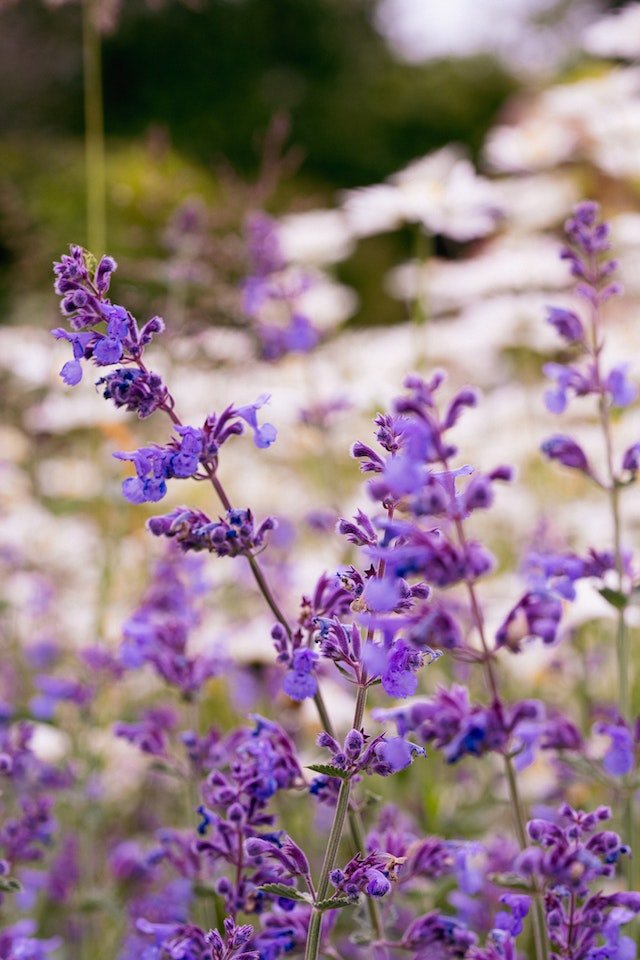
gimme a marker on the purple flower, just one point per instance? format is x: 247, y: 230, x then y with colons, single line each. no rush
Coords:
x: 265, y: 435
x: 567, y: 452
x: 537, y: 614
x: 300, y: 682
x: 370, y: 874
x: 620, y: 757
x: 567, y: 323
x: 622, y: 393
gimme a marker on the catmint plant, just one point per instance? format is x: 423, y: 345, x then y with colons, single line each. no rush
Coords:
x: 406, y: 608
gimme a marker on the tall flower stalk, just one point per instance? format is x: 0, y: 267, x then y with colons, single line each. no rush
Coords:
x: 588, y: 253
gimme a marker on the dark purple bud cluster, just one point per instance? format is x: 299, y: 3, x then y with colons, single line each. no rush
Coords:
x: 151, y: 733
x: 100, y: 331
x: 231, y: 536
x: 361, y: 754
x: 137, y: 390
x: 371, y: 874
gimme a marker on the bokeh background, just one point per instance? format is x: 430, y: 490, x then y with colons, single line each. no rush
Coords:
x: 418, y: 159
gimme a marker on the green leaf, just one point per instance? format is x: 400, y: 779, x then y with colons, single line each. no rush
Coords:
x: 10, y: 885
x: 616, y: 598
x: 282, y: 890
x: 361, y: 937
x: 334, y: 903
x: 511, y: 881
x: 327, y: 770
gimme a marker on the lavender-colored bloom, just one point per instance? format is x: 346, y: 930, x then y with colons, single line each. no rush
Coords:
x: 264, y: 245
x: 622, y: 393
x: 158, y: 632
x: 567, y: 452
x: 16, y: 941
x: 438, y: 935
x: 53, y: 690
x: 265, y: 435
x: 631, y: 459
x: 150, y: 734
x: 370, y: 874
x: 300, y: 682
x: 619, y: 759
x: 361, y: 754
x: 569, y: 381
x: 567, y: 323
x: 459, y: 728
x: 102, y: 332
x: 537, y: 614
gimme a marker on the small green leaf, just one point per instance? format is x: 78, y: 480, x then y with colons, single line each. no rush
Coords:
x: 10, y: 885
x: 361, y: 937
x: 616, y: 598
x: 334, y: 903
x: 282, y: 890
x: 93, y: 901
x: 327, y: 770
x: 510, y: 880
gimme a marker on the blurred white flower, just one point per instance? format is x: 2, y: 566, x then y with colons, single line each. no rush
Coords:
x: 371, y: 210
x: 49, y: 743
x: 615, y: 136
x: 441, y: 190
x: 317, y: 237
x: 616, y: 35
x: 536, y: 202
x: 328, y: 303
x: 597, y: 119
x: 528, y: 35
x: 508, y: 264
x: 535, y: 142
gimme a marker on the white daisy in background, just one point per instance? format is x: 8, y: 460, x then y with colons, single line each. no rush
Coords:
x: 616, y: 35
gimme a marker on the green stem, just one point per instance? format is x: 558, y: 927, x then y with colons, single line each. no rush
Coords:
x: 538, y: 922
x: 538, y: 919
x: 335, y: 835
x: 419, y: 307
x: 622, y: 646
x: 95, y: 154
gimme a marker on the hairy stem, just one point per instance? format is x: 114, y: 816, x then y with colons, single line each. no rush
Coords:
x: 538, y: 921
x: 335, y: 835
x: 622, y: 645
